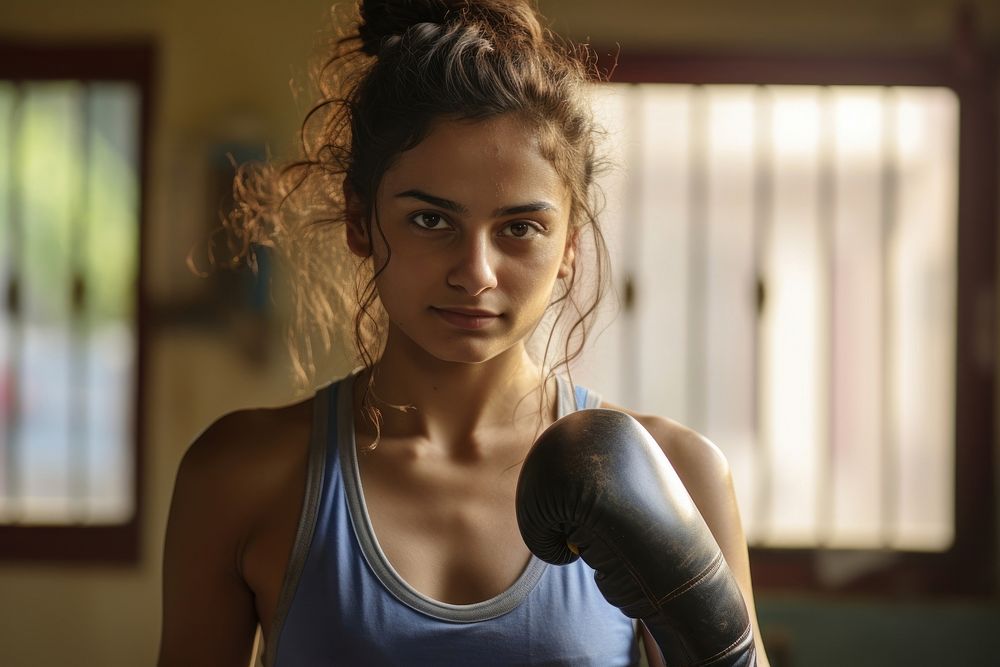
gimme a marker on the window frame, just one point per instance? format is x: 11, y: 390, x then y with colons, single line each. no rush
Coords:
x: 968, y: 567
x: 129, y: 62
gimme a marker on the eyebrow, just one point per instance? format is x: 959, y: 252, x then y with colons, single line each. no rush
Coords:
x: 530, y: 207
x: 440, y: 202
x: 455, y: 207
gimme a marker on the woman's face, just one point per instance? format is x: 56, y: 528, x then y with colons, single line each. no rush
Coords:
x: 477, y: 221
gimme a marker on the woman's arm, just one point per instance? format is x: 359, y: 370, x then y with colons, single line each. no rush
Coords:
x: 705, y: 472
x: 208, y: 610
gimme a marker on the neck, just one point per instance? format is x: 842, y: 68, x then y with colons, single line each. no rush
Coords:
x: 451, y: 404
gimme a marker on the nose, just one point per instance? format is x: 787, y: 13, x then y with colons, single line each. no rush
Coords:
x: 473, y: 270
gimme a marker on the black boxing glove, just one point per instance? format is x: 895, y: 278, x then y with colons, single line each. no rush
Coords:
x: 597, y: 484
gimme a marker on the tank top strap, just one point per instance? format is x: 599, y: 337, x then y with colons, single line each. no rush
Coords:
x: 572, y: 398
x: 324, y: 416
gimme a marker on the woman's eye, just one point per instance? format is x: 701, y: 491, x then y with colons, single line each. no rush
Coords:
x: 521, y: 230
x: 429, y: 221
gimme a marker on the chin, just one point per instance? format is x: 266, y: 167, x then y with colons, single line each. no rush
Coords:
x: 460, y: 348
x: 466, y: 351
x: 464, y: 355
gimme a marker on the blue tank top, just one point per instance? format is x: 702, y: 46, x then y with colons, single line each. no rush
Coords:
x: 342, y: 603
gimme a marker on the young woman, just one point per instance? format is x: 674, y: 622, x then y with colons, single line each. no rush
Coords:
x: 375, y: 524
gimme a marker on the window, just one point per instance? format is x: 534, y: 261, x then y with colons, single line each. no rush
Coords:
x: 71, y: 165
x: 789, y: 261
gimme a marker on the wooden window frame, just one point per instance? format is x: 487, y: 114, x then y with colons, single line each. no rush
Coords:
x: 130, y: 62
x: 968, y: 567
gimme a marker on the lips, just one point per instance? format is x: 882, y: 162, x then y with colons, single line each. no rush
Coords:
x: 466, y: 318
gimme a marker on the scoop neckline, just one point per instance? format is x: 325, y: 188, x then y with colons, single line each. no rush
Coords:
x: 498, y: 605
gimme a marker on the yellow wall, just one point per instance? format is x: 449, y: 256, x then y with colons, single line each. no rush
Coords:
x: 224, y: 71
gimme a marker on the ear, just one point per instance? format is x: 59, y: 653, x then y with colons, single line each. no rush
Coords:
x: 356, y: 229
x: 569, y: 254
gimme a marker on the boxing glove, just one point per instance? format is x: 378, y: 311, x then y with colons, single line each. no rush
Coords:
x: 596, y: 484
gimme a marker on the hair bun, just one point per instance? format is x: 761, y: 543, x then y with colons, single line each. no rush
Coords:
x: 382, y: 19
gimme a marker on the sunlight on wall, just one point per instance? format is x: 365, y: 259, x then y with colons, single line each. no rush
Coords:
x: 791, y: 252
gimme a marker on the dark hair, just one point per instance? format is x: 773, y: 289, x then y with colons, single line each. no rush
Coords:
x: 409, y: 63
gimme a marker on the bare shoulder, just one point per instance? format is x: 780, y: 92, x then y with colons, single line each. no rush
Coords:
x: 243, y: 450
x: 696, y: 458
x: 232, y: 474
x: 243, y: 473
x: 247, y: 439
